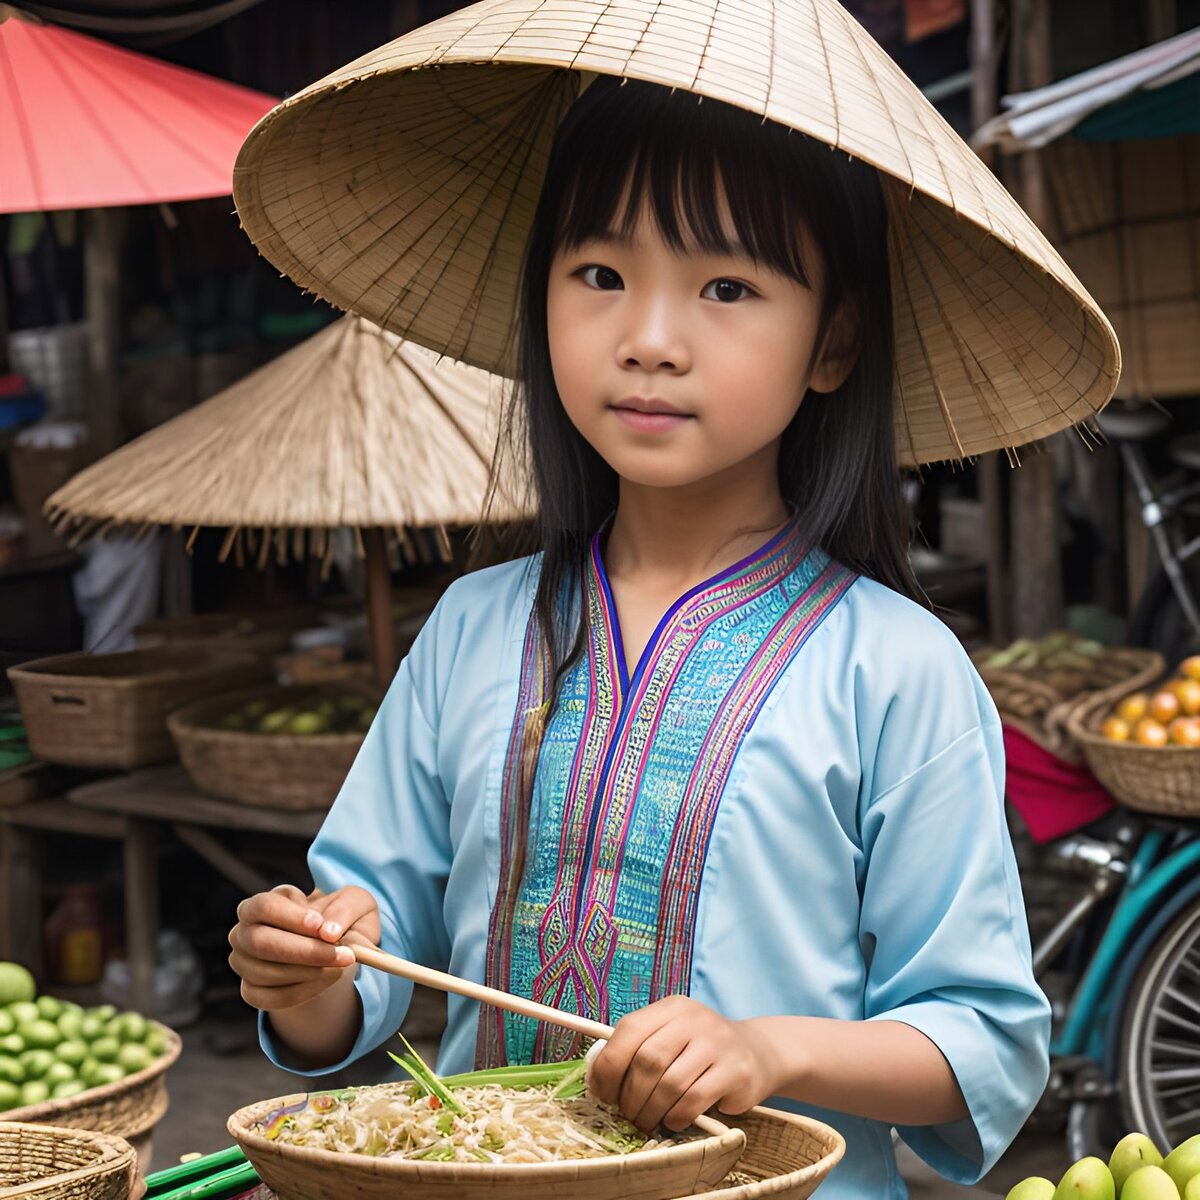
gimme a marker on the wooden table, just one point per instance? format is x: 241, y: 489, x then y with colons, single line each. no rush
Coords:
x: 134, y: 807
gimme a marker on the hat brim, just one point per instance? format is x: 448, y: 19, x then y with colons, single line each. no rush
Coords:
x: 403, y: 188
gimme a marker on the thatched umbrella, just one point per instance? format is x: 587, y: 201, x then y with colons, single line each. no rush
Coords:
x: 352, y: 428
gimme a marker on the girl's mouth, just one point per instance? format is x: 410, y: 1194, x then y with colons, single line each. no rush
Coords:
x: 650, y: 416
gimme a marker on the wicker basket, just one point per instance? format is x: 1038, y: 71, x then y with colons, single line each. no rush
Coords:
x: 276, y: 770
x: 1038, y: 708
x: 46, y: 1162
x: 110, y: 710
x: 299, y: 1173
x: 786, y: 1154
x: 129, y: 1108
x: 1154, y: 779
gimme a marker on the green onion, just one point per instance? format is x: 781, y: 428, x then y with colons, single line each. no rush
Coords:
x: 425, y: 1078
x: 522, y: 1075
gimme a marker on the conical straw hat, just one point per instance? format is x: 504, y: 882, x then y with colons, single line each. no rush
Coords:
x: 353, y: 427
x: 403, y: 186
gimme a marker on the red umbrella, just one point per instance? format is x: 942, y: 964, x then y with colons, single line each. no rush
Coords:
x: 86, y: 125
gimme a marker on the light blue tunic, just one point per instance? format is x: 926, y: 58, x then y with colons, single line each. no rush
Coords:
x: 857, y: 865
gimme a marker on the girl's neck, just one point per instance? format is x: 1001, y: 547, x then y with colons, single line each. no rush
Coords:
x: 673, y: 538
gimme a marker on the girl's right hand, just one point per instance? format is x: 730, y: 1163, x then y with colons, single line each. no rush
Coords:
x: 285, y: 943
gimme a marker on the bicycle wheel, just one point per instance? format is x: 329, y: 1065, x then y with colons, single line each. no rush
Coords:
x: 1158, y: 1069
x: 1159, y: 622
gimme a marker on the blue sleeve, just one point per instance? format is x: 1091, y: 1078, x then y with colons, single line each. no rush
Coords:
x: 943, y: 922
x: 388, y: 832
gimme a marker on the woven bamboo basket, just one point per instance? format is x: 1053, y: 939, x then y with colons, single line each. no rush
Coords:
x: 299, y: 1173
x: 129, y: 1108
x: 110, y: 710
x: 47, y: 1162
x: 786, y: 1157
x: 1156, y: 779
x: 274, y: 770
x: 1039, y: 708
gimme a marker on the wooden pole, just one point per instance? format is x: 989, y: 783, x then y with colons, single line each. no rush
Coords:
x: 985, y: 66
x: 1035, y: 556
x: 102, y: 304
x: 378, y: 586
x: 1160, y: 20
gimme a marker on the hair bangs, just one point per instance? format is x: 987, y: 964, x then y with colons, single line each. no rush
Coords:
x: 692, y: 169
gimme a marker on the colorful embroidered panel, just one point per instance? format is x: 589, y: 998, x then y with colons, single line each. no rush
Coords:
x: 601, y: 868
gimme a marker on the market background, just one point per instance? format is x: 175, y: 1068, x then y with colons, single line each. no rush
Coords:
x: 124, y: 319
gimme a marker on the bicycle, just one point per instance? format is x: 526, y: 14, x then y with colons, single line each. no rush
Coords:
x: 1167, y: 617
x: 1127, y: 1027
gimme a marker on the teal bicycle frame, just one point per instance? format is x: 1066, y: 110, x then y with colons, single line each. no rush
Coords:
x: 1150, y: 880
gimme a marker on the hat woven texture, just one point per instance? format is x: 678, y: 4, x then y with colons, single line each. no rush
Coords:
x: 402, y: 187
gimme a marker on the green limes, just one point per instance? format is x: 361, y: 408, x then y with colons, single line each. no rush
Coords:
x: 308, y: 723
x: 50, y: 1007
x: 1088, y: 1179
x: 91, y: 1027
x: 1134, y: 1150
x: 71, y: 1052
x: 24, y: 1011
x: 1183, y: 1162
x: 12, y: 1043
x: 10, y: 1095
x: 106, y: 1072
x: 1149, y: 1183
x: 87, y: 1071
x: 58, y: 1072
x: 132, y: 1058
x: 105, y: 1048
x: 67, y: 1089
x: 16, y: 983
x: 1036, y: 1187
x: 11, y: 1070
x: 8, y: 1023
x: 256, y: 709
x: 70, y: 1025
x: 40, y: 1035
x: 34, y: 1092
x: 105, y: 1012
x: 129, y: 1027
x: 36, y: 1063
x: 275, y: 722
x: 156, y: 1041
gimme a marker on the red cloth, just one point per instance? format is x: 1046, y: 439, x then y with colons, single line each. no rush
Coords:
x: 1054, y: 798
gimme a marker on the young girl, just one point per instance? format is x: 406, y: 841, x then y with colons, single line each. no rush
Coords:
x: 705, y: 767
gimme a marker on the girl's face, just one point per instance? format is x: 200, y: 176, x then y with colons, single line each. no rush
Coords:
x: 679, y: 366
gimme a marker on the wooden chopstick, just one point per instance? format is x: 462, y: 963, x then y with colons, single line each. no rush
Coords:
x: 445, y: 982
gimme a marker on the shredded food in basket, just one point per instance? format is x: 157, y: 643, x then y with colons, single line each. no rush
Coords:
x: 500, y: 1124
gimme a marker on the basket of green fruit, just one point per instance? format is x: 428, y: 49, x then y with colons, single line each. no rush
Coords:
x: 278, y: 747
x: 80, y: 1068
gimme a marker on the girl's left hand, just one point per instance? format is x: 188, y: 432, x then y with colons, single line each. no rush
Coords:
x: 674, y: 1059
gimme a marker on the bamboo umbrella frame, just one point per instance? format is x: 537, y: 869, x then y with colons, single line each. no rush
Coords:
x: 352, y: 428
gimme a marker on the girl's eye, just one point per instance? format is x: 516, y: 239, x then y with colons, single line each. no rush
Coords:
x: 726, y: 291
x: 605, y: 279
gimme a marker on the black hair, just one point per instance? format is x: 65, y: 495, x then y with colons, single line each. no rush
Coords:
x: 626, y: 147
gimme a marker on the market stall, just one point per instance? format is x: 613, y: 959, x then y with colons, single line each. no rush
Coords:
x: 352, y: 429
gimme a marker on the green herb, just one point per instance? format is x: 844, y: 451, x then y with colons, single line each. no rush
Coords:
x: 425, y: 1078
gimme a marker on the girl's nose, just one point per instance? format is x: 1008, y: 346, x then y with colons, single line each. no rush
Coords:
x: 654, y: 341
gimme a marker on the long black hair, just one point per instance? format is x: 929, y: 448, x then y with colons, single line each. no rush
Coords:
x: 626, y: 147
